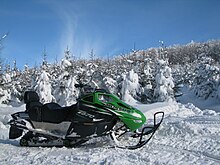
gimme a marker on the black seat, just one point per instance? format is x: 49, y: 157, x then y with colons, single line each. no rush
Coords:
x: 31, y: 96
x: 54, y: 113
x: 31, y: 99
x: 33, y: 106
x: 49, y: 112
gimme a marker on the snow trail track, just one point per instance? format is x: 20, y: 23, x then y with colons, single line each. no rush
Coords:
x: 186, y: 136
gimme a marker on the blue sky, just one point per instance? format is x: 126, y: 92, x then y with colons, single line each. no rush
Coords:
x: 109, y: 27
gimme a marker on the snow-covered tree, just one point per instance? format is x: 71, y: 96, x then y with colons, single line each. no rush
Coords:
x: 147, y: 81
x: 10, y: 91
x: 43, y: 88
x: 130, y: 87
x: 64, y: 87
x: 65, y: 91
x: 5, y: 89
x: 111, y: 84
x: 15, y: 86
x: 164, y: 82
x: 206, y: 79
x: 60, y: 88
x: 72, y: 91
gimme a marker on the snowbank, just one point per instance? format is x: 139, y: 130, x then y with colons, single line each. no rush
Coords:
x: 189, y: 97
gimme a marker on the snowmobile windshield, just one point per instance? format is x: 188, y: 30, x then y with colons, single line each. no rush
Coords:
x: 105, y: 98
x: 96, y: 81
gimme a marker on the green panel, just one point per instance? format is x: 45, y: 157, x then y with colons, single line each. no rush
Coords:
x: 129, y: 115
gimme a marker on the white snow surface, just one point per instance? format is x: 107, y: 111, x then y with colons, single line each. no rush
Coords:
x: 189, y: 97
x: 187, y: 135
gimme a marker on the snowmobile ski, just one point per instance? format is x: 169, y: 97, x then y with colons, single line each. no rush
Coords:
x: 146, y: 131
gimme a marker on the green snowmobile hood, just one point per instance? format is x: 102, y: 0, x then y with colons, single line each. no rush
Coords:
x: 130, y: 116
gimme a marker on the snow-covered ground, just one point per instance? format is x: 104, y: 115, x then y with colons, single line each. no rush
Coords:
x: 189, y: 97
x: 187, y: 135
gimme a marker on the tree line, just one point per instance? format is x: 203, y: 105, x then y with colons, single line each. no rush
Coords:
x: 147, y: 76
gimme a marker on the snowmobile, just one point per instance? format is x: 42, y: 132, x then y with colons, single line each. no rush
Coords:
x: 96, y: 114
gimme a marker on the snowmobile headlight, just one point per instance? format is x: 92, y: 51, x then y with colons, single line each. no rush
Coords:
x: 138, y: 121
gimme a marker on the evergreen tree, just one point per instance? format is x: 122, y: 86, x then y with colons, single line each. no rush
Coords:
x: 130, y: 87
x: 43, y: 88
x: 147, y: 81
x: 72, y: 92
x: 64, y: 89
x: 164, y: 82
x: 111, y: 85
x: 206, y: 79
x: 5, y: 89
